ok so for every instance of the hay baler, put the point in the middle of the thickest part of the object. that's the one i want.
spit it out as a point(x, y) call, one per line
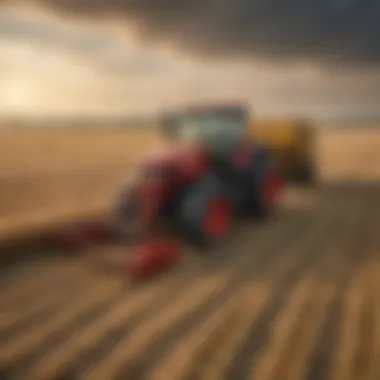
point(292, 142)
point(207, 177)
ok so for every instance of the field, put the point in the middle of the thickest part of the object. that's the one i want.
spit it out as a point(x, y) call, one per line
point(293, 298)
point(46, 176)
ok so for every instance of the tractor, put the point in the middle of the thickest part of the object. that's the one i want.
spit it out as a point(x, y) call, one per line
point(203, 181)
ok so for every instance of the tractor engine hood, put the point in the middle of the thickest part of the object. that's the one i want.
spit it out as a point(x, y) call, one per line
point(171, 154)
point(188, 160)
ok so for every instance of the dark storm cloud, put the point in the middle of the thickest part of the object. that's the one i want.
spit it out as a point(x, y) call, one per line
point(342, 30)
point(347, 31)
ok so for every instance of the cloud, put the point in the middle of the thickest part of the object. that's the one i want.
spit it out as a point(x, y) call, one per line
point(48, 33)
point(83, 55)
point(344, 32)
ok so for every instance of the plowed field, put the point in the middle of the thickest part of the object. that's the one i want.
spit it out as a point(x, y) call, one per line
point(296, 297)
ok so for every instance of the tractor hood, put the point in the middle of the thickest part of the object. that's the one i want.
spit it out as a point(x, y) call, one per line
point(188, 161)
point(174, 154)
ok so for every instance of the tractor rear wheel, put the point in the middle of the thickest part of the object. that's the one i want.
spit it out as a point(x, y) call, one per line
point(264, 184)
point(269, 194)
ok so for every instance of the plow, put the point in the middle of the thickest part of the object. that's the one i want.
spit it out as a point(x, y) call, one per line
point(192, 192)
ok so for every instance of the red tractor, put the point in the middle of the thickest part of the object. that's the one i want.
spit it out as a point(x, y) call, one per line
point(205, 179)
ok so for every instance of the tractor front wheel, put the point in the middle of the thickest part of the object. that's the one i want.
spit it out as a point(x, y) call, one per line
point(217, 219)
point(205, 213)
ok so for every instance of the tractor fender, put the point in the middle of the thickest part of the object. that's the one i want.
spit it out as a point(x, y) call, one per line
point(194, 203)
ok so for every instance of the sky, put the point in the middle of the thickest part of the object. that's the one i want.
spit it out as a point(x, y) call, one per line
point(314, 58)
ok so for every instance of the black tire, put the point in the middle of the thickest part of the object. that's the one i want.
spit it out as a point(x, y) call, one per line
point(194, 208)
point(263, 164)
point(307, 175)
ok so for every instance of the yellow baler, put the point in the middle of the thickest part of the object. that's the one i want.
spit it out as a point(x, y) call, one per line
point(293, 143)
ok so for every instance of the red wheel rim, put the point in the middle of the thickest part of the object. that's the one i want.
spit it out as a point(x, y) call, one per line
point(273, 186)
point(217, 219)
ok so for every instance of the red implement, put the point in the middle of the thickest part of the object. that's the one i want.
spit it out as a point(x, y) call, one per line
point(154, 257)
point(83, 235)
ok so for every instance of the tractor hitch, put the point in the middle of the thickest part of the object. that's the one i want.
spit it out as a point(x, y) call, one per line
point(143, 257)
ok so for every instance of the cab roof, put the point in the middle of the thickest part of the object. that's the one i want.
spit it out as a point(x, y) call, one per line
point(206, 108)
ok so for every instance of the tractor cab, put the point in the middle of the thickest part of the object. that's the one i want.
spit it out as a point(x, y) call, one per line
point(221, 130)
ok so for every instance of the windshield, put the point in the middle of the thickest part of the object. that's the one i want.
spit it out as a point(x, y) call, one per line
point(212, 127)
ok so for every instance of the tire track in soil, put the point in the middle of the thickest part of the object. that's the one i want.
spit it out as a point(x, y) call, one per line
point(135, 356)
point(212, 271)
point(163, 348)
point(108, 327)
point(372, 371)
point(197, 346)
point(13, 325)
point(80, 310)
point(96, 324)
point(22, 288)
point(50, 274)
point(219, 363)
point(159, 345)
point(170, 338)
point(28, 315)
point(325, 227)
point(328, 279)
point(145, 339)
point(321, 358)
point(282, 266)
point(67, 351)
point(345, 351)
point(82, 339)
point(281, 269)
point(214, 361)
point(352, 349)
